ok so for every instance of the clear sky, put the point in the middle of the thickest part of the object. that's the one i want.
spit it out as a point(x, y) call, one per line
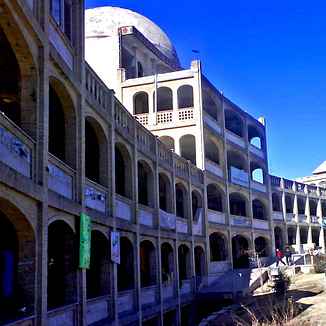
point(266, 56)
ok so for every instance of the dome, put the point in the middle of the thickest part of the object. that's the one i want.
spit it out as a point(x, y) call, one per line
point(105, 21)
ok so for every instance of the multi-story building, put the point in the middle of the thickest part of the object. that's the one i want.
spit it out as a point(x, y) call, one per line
point(164, 165)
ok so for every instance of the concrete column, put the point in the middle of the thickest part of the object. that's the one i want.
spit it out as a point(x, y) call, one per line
point(307, 210)
point(309, 240)
point(322, 240)
point(295, 208)
point(297, 238)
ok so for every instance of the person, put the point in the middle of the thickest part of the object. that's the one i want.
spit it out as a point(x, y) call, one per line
point(288, 254)
point(279, 257)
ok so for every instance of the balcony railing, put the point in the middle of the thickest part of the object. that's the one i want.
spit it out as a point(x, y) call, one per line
point(95, 196)
point(17, 149)
point(61, 177)
point(123, 207)
point(149, 295)
point(126, 301)
point(99, 309)
point(68, 314)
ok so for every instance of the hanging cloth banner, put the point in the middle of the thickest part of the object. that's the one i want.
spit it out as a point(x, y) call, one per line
point(85, 241)
point(115, 247)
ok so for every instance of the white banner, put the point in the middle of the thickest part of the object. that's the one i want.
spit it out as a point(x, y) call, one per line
point(115, 247)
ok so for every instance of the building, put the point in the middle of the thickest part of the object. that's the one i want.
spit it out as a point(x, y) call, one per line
point(165, 162)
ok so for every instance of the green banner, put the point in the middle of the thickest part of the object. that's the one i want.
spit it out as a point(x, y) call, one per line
point(85, 241)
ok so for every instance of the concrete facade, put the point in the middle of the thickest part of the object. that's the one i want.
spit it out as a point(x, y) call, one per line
point(164, 160)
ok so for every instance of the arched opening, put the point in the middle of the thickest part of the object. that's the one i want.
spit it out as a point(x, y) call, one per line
point(258, 210)
point(323, 209)
point(301, 206)
point(217, 245)
point(289, 204)
point(185, 97)
point(196, 202)
point(141, 103)
point(123, 171)
point(313, 208)
point(276, 201)
point(184, 260)
point(211, 150)
point(167, 262)
point(291, 236)
point(147, 264)
point(303, 235)
point(237, 205)
point(165, 196)
point(10, 81)
point(96, 154)
point(209, 105)
point(98, 275)
point(62, 265)
point(315, 237)
point(125, 270)
point(278, 238)
point(164, 99)
point(199, 261)
point(168, 142)
point(233, 123)
point(188, 148)
point(62, 124)
point(181, 201)
point(235, 160)
point(214, 198)
point(254, 137)
point(261, 247)
point(257, 173)
point(240, 248)
point(145, 184)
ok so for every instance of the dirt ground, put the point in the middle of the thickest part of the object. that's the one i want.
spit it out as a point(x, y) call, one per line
point(306, 292)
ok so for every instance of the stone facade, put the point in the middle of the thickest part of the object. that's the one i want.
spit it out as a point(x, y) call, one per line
point(164, 160)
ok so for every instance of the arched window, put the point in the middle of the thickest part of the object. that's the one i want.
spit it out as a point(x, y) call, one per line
point(184, 260)
point(258, 210)
point(196, 202)
point(209, 105)
point(217, 247)
point(291, 236)
point(188, 148)
point(254, 137)
point(126, 275)
point(240, 247)
point(199, 261)
point(289, 204)
point(98, 275)
point(301, 206)
point(167, 141)
point(167, 262)
point(185, 97)
point(235, 160)
point(164, 99)
point(165, 196)
point(276, 203)
point(233, 123)
point(147, 264)
point(211, 150)
point(278, 238)
point(303, 235)
point(257, 173)
point(141, 103)
point(214, 198)
point(62, 268)
point(313, 207)
point(181, 200)
point(237, 205)
point(145, 184)
point(261, 247)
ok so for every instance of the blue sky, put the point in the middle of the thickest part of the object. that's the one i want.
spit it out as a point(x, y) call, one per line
point(268, 57)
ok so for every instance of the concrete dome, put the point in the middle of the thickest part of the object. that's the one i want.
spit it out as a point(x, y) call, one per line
point(105, 21)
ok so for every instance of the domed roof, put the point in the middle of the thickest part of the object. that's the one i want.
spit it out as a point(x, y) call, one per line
point(104, 21)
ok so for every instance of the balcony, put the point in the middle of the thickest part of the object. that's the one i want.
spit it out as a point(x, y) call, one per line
point(66, 315)
point(235, 139)
point(216, 217)
point(278, 216)
point(290, 217)
point(214, 168)
point(239, 220)
point(261, 224)
point(126, 301)
point(95, 196)
point(257, 151)
point(16, 147)
point(211, 122)
point(99, 309)
point(61, 177)
point(167, 220)
point(258, 186)
point(148, 295)
point(168, 290)
point(123, 207)
point(145, 215)
point(302, 218)
point(219, 267)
